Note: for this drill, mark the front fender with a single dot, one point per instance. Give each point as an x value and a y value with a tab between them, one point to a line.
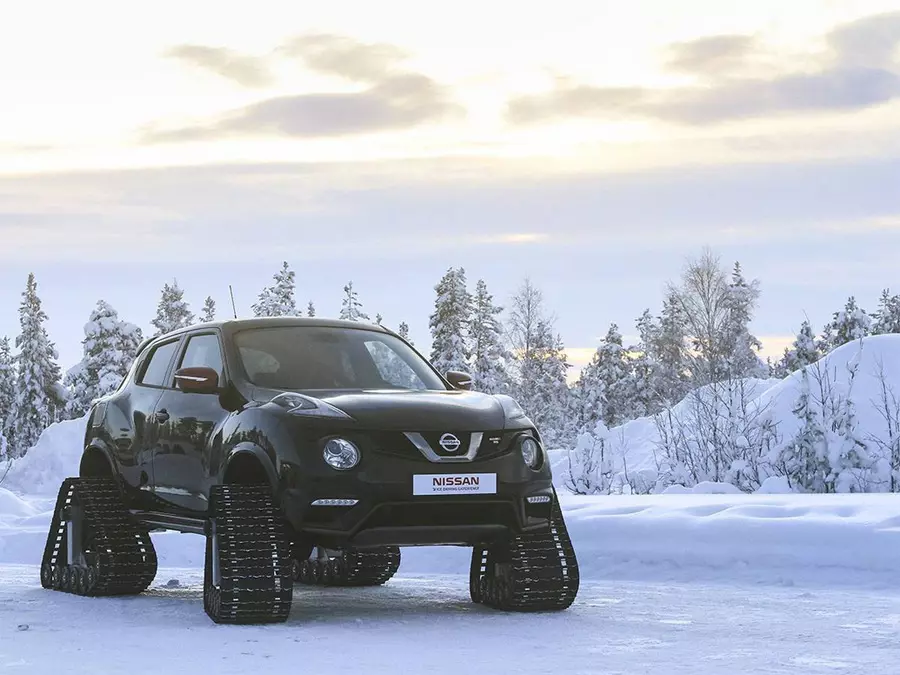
247	448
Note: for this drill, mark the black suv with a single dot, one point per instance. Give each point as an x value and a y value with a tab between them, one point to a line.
306	450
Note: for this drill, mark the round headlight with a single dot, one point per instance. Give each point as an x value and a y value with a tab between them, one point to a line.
531	451
341	454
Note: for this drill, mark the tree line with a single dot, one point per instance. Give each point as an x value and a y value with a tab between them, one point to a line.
700	336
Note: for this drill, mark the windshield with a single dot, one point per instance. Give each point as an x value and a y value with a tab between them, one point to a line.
318	357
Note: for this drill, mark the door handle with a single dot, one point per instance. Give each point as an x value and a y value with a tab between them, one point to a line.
161	416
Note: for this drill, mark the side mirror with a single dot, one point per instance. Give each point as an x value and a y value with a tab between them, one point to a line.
197	380
459	380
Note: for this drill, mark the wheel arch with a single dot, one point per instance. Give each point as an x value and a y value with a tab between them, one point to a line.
247	463
96	462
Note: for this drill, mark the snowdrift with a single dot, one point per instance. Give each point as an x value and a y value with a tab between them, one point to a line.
54	458
876	361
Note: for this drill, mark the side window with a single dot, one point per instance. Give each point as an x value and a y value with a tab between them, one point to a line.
203	350
155	373
393	369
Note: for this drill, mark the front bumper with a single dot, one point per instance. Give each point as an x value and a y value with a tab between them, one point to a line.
388	513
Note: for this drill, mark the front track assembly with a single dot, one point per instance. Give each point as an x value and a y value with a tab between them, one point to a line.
94	547
353	567
247	576
530	572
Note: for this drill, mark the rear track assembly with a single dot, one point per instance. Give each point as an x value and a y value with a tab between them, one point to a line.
94	546
531	572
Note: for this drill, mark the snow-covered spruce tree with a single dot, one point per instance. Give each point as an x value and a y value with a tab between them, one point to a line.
110	346
310	309
450	322
403	331
742	357
661	376
7	387
849	324
172	312
378	319
887	318
351	307
278	299
803	461
488	355
590	463
39	396
209	310
605	386
803	352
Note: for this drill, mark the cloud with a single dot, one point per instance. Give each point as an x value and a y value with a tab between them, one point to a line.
859	75
393	97
246	70
870	41
711	55
344	57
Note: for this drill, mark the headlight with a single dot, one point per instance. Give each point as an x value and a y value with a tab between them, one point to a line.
511	408
340	454
531	451
299	404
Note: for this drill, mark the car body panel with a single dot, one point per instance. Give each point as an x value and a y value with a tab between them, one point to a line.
170	447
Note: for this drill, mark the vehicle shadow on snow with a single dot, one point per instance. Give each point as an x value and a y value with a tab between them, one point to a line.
399	600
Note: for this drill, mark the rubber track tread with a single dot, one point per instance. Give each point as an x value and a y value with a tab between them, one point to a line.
533	572
255	584
367	567
118	555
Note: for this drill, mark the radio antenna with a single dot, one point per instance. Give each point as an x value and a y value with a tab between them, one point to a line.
233	307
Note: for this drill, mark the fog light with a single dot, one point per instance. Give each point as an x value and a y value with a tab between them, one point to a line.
538	499
531	451
335	502
340	454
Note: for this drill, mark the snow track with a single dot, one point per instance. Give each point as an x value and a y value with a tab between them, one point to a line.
426	624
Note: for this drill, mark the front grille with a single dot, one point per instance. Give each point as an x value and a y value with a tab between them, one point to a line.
493	444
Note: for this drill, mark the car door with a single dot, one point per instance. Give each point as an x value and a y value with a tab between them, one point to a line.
129	417
186	424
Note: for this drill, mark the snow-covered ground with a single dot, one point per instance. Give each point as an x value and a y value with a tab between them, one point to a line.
425	624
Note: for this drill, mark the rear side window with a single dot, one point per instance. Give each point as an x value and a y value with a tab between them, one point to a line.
155	372
203	350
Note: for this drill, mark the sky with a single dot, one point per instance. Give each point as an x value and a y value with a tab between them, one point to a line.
590	146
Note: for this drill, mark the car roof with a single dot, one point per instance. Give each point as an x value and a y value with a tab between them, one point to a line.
235	325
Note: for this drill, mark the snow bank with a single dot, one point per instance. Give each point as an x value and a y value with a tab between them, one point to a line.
54	458
638	442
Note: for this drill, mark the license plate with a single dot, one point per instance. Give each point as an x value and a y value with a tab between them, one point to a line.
455	484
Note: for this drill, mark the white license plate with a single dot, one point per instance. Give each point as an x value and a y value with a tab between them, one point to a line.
455	484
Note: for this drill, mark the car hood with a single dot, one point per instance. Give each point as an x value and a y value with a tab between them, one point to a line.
410	410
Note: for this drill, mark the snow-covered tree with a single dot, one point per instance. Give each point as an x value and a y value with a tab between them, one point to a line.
715	314
887	318
450	322
278	299
803	352
172	312
310	309
660	369
543	389
802	460
403	331
110	346
7	388
351	307
849	324
603	390
378	319
39	396
488	356
209	310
